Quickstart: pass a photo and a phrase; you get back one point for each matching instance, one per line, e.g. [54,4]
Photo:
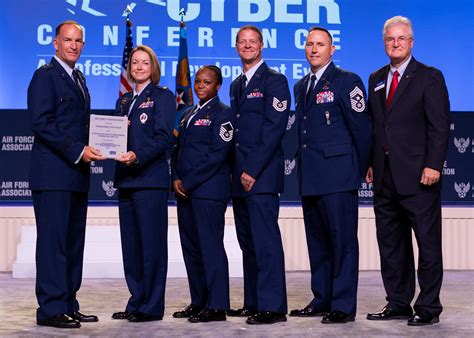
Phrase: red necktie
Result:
[393,88]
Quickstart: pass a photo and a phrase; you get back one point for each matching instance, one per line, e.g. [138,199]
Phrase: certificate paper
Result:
[108,134]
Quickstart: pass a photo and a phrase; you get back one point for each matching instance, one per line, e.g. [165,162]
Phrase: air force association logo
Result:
[462,188]
[462,144]
[289,166]
[357,100]
[109,188]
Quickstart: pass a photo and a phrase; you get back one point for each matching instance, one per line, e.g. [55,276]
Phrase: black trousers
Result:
[396,216]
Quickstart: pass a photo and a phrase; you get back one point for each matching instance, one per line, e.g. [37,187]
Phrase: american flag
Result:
[184,92]
[125,84]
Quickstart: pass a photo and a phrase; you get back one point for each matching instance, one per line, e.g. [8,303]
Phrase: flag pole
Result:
[125,84]
[184,92]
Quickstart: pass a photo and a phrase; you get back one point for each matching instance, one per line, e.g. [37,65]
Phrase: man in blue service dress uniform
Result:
[409,104]
[260,98]
[59,108]
[334,137]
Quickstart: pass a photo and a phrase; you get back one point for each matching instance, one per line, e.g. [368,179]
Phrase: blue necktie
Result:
[309,93]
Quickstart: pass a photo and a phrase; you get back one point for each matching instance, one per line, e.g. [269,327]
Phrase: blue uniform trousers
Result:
[61,229]
[201,230]
[144,234]
[256,222]
[331,234]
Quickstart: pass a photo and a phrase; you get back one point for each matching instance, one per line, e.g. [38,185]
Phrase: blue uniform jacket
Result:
[151,121]
[334,133]
[59,115]
[200,157]
[261,118]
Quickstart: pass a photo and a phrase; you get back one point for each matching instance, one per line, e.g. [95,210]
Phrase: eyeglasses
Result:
[401,40]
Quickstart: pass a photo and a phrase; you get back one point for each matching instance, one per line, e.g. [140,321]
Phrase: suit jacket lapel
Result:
[253,83]
[404,82]
[204,110]
[141,98]
[320,84]
[381,94]
[69,82]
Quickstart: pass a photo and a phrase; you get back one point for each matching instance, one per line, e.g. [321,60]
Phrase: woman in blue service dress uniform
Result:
[142,179]
[201,179]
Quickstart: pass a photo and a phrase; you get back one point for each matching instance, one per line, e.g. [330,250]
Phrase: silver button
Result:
[305,146]
[304,131]
[237,116]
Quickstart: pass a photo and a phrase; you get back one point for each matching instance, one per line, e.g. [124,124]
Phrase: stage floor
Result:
[105,296]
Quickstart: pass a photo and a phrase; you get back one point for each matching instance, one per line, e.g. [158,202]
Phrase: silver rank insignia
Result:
[226,131]
[357,100]
[279,105]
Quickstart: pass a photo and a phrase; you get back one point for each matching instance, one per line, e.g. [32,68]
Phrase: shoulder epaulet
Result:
[47,66]
[273,71]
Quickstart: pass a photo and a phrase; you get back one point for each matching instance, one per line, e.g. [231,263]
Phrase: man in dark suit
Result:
[59,108]
[335,138]
[410,107]
[260,99]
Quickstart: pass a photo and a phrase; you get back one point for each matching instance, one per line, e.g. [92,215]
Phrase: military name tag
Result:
[379,86]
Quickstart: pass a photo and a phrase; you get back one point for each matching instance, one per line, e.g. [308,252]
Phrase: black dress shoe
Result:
[266,317]
[243,312]
[422,319]
[388,313]
[81,317]
[308,311]
[337,317]
[121,315]
[62,321]
[188,311]
[139,317]
[208,315]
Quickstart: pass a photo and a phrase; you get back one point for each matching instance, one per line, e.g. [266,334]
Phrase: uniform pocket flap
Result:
[337,149]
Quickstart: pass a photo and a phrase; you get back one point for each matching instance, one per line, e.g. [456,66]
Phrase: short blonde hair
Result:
[396,20]
[155,65]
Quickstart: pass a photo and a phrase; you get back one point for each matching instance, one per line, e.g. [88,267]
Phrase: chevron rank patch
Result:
[279,105]
[357,100]
[226,131]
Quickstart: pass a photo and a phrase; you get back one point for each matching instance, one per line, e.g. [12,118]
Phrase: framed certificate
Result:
[108,134]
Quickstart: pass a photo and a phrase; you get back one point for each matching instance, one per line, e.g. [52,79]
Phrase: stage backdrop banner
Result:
[17,140]
[27,32]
